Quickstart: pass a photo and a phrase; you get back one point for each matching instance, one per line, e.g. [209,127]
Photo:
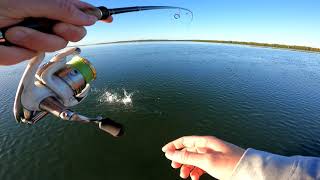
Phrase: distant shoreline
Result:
[277,46]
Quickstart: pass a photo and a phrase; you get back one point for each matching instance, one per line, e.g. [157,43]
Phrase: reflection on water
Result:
[254,97]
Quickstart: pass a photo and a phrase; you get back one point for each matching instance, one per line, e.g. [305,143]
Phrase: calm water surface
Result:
[254,97]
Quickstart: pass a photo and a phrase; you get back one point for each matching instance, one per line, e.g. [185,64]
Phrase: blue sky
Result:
[272,21]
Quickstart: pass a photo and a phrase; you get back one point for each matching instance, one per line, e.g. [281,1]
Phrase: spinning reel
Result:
[55,87]
[60,84]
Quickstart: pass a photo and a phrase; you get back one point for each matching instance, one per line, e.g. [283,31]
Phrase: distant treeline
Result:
[282,46]
[300,48]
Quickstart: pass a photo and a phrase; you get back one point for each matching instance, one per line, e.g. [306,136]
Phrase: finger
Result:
[108,20]
[187,141]
[14,55]
[198,141]
[83,5]
[196,173]
[62,10]
[185,157]
[175,165]
[4,22]
[35,40]
[204,150]
[69,32]
[185,171]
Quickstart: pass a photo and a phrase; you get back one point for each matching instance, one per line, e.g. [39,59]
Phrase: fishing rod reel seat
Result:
[55,87]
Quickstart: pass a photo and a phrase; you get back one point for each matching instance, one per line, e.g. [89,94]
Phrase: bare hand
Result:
[31,41]
[196,155]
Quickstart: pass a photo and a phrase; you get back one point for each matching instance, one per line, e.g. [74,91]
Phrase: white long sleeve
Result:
[259,165]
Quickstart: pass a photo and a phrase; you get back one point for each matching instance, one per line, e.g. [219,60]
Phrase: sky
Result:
[293,22]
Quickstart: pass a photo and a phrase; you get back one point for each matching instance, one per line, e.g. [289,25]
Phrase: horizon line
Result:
[258,44]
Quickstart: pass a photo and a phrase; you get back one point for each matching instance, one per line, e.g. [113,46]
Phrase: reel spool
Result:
[55,87]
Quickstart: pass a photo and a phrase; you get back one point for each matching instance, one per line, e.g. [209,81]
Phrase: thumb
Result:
[185,157]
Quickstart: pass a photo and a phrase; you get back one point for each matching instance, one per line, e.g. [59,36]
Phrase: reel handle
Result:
[57,109]
[46,25]
[111,127]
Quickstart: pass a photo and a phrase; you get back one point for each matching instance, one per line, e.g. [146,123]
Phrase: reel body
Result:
[55,87]
[60,84]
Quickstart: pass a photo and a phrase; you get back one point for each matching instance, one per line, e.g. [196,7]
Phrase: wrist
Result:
[238,162]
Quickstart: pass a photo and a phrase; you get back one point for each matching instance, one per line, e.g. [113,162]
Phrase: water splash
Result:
[113,97]
[127,97]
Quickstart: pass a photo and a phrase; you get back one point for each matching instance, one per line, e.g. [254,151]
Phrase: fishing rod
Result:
[63,82]
[102,13]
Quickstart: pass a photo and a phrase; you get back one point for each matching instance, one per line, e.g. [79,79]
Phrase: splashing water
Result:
[111,98]
[127,97]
